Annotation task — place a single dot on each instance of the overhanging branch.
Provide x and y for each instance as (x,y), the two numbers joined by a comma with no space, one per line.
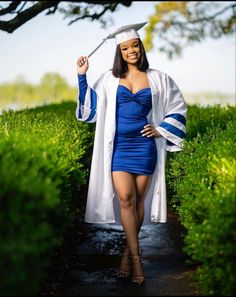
(12,6)
(26,15)
(22,16)
(94,16)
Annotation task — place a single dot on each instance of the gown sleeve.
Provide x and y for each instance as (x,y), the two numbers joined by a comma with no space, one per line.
(173,126)
(86,109)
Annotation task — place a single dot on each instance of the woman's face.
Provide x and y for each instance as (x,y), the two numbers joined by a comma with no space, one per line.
(130,51)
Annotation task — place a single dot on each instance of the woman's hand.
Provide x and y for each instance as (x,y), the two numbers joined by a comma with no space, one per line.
(82,65)
(150,131)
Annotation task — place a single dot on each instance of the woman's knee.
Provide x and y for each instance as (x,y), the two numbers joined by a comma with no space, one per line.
(127,200)
(140,199)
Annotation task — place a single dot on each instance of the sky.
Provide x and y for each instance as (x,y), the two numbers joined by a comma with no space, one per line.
(48,44)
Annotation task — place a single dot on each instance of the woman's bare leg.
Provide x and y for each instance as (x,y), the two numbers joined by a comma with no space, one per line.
(142,183)
(124,184)
(131,190)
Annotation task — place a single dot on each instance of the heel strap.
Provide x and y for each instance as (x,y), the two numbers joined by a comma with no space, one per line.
(125,256)
(136,258)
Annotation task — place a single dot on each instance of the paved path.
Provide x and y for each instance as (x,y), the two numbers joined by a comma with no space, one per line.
(87,263)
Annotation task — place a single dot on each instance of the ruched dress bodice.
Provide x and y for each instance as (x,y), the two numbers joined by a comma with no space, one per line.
(133,152)
(131,110)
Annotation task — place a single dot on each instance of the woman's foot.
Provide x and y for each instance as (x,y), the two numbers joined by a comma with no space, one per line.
(137,270)
(124,269)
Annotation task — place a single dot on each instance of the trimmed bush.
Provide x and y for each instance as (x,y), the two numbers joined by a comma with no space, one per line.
(42,168)
(202,179)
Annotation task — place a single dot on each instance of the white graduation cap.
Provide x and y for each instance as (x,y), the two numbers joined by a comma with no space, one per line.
(122,34)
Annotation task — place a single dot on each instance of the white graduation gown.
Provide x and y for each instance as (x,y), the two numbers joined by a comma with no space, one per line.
(168,116)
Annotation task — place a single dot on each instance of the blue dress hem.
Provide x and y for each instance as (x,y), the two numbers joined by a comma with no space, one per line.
(132,171)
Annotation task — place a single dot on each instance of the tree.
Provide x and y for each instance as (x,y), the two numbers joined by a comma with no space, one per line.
(54,88)
(21,12)
(175,24)
(179,24)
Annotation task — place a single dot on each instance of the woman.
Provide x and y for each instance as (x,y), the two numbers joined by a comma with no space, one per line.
(140,113)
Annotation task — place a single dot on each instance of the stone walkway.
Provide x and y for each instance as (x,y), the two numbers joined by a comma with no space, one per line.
(87,262)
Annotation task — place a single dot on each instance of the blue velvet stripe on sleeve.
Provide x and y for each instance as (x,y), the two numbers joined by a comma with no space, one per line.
(170,143)
(83,85)
(84,91)
(172,129)
(178,117)
(93,102)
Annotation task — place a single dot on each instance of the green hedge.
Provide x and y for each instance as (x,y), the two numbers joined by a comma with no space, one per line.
(201,120)
(45,155)
(43,162)
(201,180)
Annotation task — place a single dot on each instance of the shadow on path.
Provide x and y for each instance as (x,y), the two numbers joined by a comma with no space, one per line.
(86,264)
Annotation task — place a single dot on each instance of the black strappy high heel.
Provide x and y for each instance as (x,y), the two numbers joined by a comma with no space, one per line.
(137,276)
(124,269)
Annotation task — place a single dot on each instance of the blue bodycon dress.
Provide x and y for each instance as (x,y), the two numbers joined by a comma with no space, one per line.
(133,152)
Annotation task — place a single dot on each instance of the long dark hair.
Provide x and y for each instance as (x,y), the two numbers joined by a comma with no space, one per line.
(120,67)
